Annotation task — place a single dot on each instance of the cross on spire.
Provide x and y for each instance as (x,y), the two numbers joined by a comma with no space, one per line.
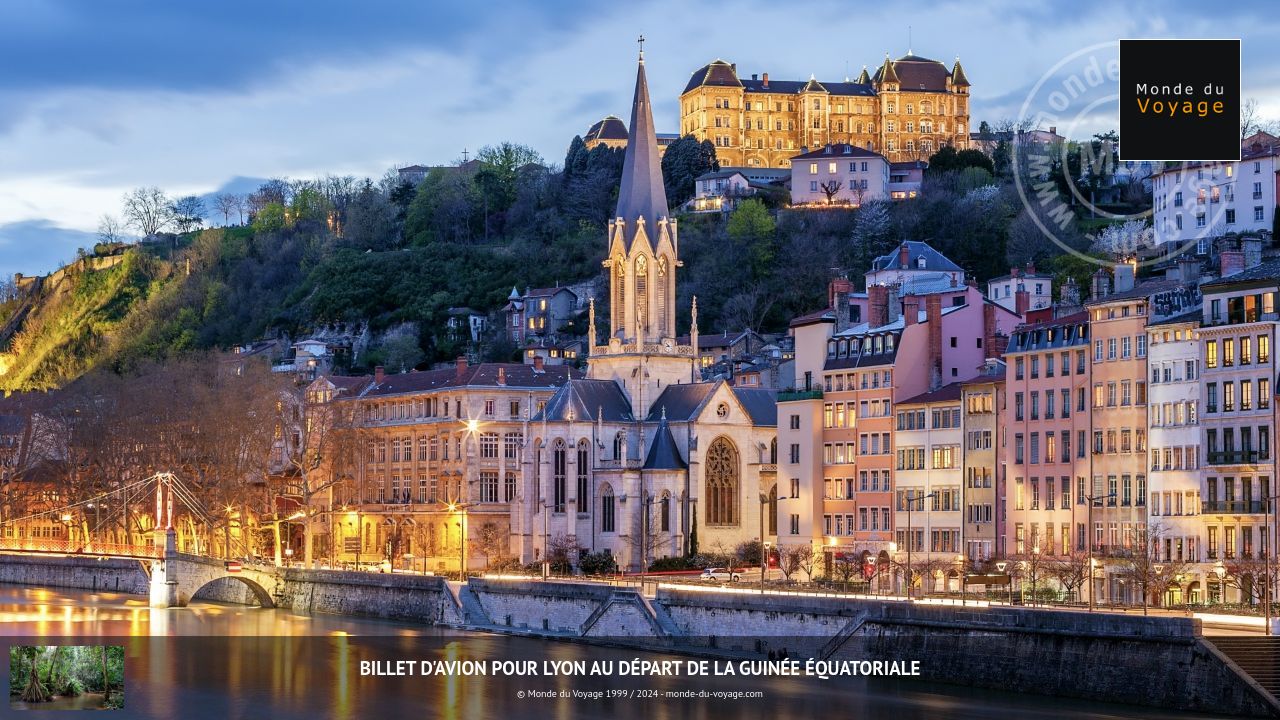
(640,42)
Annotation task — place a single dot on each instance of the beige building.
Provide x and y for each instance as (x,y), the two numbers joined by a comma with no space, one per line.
(907,110)
(982,405)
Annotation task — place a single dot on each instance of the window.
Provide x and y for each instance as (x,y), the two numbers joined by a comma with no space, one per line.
(582,464)
(607,520)
(722,483)
(558,463)
(489,446)
(489,487)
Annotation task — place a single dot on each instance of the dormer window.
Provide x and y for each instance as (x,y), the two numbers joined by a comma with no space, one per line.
(879,345)
(920,262)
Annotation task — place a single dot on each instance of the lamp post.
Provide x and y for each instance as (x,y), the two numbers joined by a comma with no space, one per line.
(1267,551)
(1089,531)
(911,499)
(1159,571)
(764,546)
(1002,566)
(1221,571)
(462,528)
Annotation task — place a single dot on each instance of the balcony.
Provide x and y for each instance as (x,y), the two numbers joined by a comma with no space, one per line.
(1234,457)
(1231,507)
(796,395)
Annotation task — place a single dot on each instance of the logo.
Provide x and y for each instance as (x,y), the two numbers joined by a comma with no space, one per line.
(1180,100)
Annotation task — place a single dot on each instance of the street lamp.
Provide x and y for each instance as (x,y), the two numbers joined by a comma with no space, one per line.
(764,546)
(1089,531)
(1221,571)
(911,499)
(1008,581)
(1159,571)
(462,527)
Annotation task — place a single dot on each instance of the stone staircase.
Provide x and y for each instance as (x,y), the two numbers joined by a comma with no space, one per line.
(473,612)
(663,617)
(1257,656)
(831,646)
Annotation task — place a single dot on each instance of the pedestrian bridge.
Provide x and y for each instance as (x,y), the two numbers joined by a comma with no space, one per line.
(177,577)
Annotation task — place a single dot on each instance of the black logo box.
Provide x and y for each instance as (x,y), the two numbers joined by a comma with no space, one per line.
(1187,68)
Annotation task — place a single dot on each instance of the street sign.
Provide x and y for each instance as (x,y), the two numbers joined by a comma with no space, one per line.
(232,566)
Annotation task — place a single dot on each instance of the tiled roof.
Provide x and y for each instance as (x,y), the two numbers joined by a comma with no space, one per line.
(716,73)
(1140,290)
(760,404)
(1070,330)
(837,151)
(540,292)
(681,402)
(515,375)
(933,260)
(1269,270)
(721,74)
(918,73)
(589,401)
(664,454)
(813,317)
(946,393)
(610,128)
(1191,315)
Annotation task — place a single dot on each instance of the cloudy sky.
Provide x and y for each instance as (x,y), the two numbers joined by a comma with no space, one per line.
(99,97)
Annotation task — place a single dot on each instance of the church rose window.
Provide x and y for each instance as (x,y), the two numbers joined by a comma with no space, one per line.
(722,483)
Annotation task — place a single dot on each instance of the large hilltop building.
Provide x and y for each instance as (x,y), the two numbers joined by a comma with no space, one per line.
(906,111)
(636,455)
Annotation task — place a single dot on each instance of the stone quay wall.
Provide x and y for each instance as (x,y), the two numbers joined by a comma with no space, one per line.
(1153,661)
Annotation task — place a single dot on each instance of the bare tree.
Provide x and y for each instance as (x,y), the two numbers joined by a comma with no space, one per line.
(831,188)
(318,445)
(1252,121)
(148,210)
(1071,571)
(110,229)
(791,558)
(228,204)
(490,540)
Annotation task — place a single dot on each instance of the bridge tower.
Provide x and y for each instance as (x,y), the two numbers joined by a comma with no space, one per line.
(164,580)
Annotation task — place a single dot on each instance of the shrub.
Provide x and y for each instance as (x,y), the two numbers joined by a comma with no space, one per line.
(598,563)
(73,687)
(669,564)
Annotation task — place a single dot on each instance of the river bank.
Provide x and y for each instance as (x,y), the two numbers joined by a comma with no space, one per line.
(1160,662)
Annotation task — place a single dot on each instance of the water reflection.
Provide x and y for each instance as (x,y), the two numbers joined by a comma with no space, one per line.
(227,661)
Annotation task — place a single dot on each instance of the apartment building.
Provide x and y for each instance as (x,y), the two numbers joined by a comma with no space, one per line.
(982,406)
(1173,419)
(1046,431)
(929,484)
(1237,337)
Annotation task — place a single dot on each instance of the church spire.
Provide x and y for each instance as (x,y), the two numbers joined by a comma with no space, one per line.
(642,193)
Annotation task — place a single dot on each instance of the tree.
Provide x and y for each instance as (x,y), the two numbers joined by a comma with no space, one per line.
(491,541)
(1252,121)
(110,230)
(872,235)
(228,204)
(1140,562)
(831,188)
(148,210)
(35,691)
(792,558)
(188,213)
(684,160)
(754,233)
(401,351)
(1071,571)
(561,552)
(1124,240)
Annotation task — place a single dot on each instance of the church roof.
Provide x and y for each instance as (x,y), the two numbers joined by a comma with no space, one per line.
(664,454)
(681,402)
(582,400)
(642,193)
(761,404)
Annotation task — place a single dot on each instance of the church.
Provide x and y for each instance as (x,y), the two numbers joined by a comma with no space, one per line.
(641,458)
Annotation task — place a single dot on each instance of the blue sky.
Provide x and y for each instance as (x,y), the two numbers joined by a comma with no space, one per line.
(99,97)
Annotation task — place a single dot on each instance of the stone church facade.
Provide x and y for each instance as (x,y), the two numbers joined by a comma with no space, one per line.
(631,458)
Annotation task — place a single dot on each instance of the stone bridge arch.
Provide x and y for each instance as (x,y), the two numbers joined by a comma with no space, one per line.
(177,579)
(262,595)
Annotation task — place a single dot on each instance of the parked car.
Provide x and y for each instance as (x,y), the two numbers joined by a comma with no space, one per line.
(720,575)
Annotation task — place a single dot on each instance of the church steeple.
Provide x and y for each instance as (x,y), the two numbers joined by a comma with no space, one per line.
(642,193)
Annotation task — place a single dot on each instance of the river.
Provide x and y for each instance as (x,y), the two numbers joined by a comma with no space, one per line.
(213,660)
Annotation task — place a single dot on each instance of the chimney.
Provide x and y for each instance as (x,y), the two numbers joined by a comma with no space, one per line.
(1100,285)
(837,287)
(904,256)
(461,365)
(1070,294)
(1031,267)
(378,374)
(1189,270)
(933,315)
(989,330)
(1014,272)
(877,305)
(1053,129)
(755,76)
(538,363)
(1230,262)
(842,311)
(1123,278)
(766,81)
(893,303)
(502,376)
(735,67)
(1021,302)
(910,310)
(1252,249)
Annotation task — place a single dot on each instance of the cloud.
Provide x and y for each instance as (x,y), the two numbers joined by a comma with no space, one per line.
(33,247)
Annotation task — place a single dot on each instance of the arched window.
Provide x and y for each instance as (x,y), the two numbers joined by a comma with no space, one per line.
(558,460)
(584,459)
(606,509)
(664,284)
(642,296)
(664,513)
(537,470)
(773,451)
(619,445)
(619,294)
(722,483)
